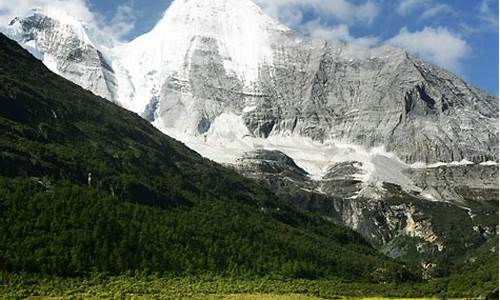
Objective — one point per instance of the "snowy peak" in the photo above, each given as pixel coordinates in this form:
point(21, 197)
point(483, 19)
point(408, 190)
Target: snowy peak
point(63, 44)
point(232, 40)
point(241, 31)
point(218, 18)
point(195, 9)
point(44, 28)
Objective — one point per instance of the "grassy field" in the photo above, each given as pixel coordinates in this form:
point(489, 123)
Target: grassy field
point(241, 297)
point(151, 287)
point(212, 297)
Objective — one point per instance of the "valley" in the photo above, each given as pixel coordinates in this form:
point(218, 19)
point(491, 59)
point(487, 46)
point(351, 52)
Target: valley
point(221, 154)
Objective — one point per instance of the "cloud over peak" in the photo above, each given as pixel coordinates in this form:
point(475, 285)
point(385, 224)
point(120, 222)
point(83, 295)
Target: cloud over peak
point(342, 10)
point(121, 23)
point(335, 33)
point(438, 45)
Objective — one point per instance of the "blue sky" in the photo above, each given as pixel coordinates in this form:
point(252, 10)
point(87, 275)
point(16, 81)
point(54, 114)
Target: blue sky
point(459, 35)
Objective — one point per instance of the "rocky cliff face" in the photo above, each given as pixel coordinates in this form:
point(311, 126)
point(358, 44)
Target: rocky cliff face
point(379, 97)
point(409, 225)
point(374, 138)
point(458, 183)
point(66, 49)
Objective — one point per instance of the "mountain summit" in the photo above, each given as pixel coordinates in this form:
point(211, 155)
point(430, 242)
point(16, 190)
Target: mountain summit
point(66, 47)
point(372, 138)
point(234, 37)
point(237, 30)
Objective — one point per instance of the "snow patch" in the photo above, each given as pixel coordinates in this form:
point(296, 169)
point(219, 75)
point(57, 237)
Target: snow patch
point(249, 109)
point(429, 197)
point(227, 127)
point(489, 163)
point(51, 63)
point(436, 165)
point(464, 162)
point(228, 139)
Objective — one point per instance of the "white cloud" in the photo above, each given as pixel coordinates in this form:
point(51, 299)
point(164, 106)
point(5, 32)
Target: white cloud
point(486, 19)
point(426, 8)
point(19, 8)
point(487, 15)
point(407, 6)
point(123, 22)
point(120, 24)
point(437, 45)
point(342, 10)
point(291, 15)
point(436, 10)
point(336, 33)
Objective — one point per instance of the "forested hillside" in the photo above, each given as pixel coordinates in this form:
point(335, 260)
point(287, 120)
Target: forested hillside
point(86, 186)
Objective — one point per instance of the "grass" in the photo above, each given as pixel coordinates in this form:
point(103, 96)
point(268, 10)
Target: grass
point(216, 297)
point(245, 297)
point(268, 297)
point(206, 287)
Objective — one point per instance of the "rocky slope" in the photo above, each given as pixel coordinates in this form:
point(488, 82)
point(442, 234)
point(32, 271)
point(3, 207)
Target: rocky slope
point(372, 138)
point(64, 46)
point(408, 225)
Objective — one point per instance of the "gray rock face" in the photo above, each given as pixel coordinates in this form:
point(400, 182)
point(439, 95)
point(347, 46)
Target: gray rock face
point(402, 224)
point(340, 181)
point(66, 49)
point(206, 93)
point(319, 90)
point(459, 184)
point(272, 163)
point(390, 99)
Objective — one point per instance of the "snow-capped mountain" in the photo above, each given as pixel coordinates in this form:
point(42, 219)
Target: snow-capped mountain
point(64, 46)
point(231, 38)
point(333, 123)
point(222, 73)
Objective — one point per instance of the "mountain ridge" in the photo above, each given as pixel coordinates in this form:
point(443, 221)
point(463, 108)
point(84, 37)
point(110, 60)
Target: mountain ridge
point(385, 139)
point(328, 104)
